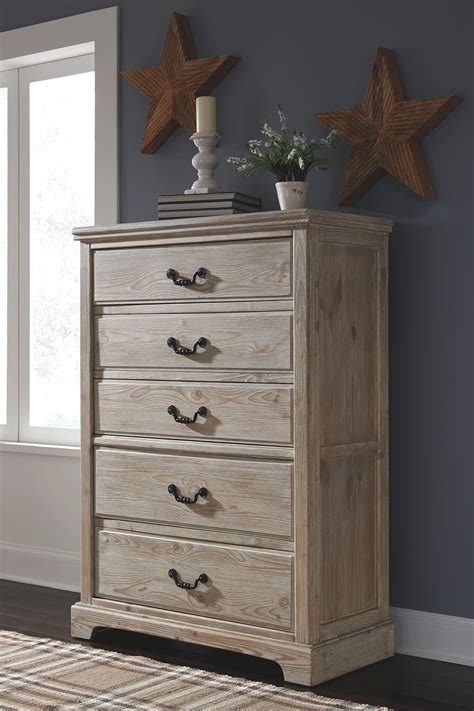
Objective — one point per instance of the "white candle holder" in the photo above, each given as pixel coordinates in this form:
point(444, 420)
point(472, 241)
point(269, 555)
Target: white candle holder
point(205, 161)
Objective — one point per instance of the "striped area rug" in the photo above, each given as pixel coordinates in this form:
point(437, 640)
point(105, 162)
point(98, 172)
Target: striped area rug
point(45, 674)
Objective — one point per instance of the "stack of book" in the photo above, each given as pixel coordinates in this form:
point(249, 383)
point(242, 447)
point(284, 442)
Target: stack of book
point(206, 204)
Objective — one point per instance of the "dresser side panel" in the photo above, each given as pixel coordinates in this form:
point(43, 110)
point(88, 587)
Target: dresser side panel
point(382, 404)
point(354, 424)
point(347, 342)
point(348, 491)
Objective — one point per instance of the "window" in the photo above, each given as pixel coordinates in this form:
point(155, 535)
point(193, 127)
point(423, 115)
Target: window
point(56, 193)
point(54, 175)
point(55, 144)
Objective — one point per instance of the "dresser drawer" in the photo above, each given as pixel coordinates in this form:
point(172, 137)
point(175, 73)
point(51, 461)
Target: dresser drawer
point(242, 412)
point(246, 341)
point(251, 497)
point(243, 585)
point(238, 270)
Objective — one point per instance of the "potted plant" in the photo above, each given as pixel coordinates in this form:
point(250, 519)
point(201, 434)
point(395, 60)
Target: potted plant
point(290, 157)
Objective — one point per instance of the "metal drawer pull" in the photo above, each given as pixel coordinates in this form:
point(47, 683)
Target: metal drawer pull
point(181, 350)
point(173, 489)
point(181, 281)
point(187, 586)
point(182, 419)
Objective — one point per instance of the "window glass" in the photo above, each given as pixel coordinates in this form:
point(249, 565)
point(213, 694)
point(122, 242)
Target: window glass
point(61, 197)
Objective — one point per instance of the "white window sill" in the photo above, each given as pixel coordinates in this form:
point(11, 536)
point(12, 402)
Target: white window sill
point(33, 448)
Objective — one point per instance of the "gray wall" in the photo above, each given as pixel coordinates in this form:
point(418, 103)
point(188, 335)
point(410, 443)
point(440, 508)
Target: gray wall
point(314, 56)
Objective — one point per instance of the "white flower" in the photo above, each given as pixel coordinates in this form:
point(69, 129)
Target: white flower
point(267, 130)
point(282, 118)
point(253, 146)
point(292, 154)
point(299, 139)
point(301, 163)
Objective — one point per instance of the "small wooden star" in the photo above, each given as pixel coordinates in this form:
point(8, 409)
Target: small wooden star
point(173, 85)
point(385, 132)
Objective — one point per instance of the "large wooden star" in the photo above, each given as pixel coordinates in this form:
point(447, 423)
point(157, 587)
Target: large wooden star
point(173, 85)
point(385, 132)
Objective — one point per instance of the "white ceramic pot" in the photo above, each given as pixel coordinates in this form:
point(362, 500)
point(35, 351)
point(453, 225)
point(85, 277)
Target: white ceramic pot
point(292, 194)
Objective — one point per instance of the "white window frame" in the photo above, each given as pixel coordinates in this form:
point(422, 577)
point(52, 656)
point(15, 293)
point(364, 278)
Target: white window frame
point(92, 33)
point(9, 431)
point(38, 72)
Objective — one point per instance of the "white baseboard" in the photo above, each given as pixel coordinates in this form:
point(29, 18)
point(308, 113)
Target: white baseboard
point(441, 637)
point(40, 566)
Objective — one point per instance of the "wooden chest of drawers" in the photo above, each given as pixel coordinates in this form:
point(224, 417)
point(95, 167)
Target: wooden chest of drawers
point(234, 454)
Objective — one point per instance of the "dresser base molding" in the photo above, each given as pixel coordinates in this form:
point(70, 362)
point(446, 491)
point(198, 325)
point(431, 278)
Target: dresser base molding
point(303, 664)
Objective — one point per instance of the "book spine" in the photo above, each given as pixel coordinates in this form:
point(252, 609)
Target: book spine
point(208, 206)
point(211, 197)
point(178, 214)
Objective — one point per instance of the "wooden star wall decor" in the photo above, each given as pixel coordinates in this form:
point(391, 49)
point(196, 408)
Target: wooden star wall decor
point(386, 131)
point(173, 85)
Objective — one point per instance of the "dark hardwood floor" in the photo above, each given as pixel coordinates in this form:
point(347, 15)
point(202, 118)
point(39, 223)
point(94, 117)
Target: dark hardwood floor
point(404, 683)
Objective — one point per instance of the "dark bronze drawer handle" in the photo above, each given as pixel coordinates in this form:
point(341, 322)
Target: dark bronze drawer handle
point(182, 419)
point(187, 586)
point(181, 350)
point(181, 281)
point(173, 489)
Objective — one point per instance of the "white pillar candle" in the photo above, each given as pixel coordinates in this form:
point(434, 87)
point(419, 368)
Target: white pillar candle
point(206, 114)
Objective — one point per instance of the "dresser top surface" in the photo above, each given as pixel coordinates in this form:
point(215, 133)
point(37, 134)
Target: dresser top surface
point(278, 220)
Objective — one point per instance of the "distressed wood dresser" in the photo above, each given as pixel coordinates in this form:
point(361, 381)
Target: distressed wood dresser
point(235, 436)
